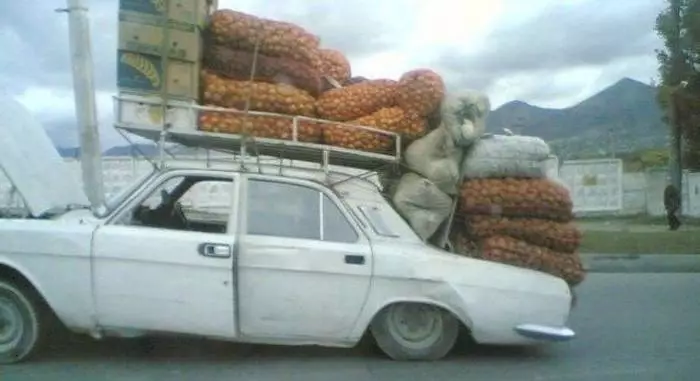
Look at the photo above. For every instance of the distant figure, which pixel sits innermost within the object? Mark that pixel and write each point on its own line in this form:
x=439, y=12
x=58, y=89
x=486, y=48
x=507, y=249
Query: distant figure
x=672, y=202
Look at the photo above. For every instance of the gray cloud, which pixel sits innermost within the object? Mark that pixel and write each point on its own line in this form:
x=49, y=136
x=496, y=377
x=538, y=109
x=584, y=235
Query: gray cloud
x=356, y=28
x=63, y=131
x=563, y=36
x=593, y=33
x=40, y=49
x=37, y=43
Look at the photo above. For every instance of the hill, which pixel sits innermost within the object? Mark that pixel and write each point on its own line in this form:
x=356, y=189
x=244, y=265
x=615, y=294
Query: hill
x=622, y=118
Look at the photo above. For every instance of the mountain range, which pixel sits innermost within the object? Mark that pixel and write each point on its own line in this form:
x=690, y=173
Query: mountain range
x=621, y=118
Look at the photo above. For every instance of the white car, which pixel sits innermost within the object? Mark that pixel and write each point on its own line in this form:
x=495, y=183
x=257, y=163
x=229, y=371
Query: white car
x=288, y=256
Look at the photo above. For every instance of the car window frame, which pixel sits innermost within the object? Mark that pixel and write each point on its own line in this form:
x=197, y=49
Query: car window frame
x=319, y=188
x=343, y=213
x=156, y=182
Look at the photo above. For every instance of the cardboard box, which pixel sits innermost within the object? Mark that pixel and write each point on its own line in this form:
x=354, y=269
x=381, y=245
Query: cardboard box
x=137, y=110
x=143, y=74
x=192, y=12
x=185, y=45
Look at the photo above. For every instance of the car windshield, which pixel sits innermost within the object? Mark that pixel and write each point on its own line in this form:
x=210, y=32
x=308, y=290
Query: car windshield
x=114, y=201
x=374, y=215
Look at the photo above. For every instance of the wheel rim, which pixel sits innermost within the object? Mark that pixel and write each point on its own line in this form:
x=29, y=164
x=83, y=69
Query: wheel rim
x=416, y=326
x=11, y=325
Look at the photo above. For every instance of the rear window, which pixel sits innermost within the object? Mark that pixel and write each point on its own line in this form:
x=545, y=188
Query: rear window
x=373, y=214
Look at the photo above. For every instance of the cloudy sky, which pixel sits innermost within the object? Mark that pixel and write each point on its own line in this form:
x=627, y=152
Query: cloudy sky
x=550, y=53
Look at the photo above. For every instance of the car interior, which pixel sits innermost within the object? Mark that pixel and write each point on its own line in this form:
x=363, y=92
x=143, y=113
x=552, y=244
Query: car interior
x=170, y=214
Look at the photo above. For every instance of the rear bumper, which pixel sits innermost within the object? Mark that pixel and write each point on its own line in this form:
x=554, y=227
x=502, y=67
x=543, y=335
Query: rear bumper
x=545, y=333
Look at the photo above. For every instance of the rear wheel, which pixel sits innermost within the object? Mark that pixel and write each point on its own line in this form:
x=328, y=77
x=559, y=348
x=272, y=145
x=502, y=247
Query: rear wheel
x=20, y=323
x=413, y=331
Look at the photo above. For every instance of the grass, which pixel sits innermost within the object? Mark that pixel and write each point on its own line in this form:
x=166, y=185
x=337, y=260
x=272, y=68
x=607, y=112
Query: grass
x=652, y=242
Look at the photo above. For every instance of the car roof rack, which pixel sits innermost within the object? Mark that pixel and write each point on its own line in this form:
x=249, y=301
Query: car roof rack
x=142, y=116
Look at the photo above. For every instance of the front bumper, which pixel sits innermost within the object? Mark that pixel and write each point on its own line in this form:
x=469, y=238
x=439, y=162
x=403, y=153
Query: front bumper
x=545, y=333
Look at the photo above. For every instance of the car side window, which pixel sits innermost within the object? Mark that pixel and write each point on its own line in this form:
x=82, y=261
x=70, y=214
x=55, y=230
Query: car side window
x=295, y=211
x=336, y=227
x=283, y=210
x=190, y=203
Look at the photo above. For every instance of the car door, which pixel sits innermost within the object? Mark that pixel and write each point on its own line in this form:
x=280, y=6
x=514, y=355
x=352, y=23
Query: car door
x=165, y=278
x=304, y=266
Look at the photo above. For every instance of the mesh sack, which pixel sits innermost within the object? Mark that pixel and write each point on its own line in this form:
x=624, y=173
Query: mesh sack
x=420, y=91
x=237, y=64
x=259, y=126
x=335, y=65
x=561, y=237
x=278, y=98
x=533, y=198
x=239, y=30
x=356, y=101
x=514, y=252
x=391, y=119
x=506, y=156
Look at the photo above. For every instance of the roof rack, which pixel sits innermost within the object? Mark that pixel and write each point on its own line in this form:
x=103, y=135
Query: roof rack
x=143, y=116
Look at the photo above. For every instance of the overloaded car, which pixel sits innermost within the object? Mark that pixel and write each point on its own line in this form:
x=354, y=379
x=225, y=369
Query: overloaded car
x=276, y=255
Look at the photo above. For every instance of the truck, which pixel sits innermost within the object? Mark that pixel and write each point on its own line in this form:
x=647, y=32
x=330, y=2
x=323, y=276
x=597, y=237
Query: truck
x=294, y=254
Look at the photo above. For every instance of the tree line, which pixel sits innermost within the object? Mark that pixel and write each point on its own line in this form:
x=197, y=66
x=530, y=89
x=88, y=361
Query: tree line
x=678, y=25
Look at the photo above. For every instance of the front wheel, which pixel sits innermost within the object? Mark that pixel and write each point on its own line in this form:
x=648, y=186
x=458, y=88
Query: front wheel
x=412, y=331
x=20, y=328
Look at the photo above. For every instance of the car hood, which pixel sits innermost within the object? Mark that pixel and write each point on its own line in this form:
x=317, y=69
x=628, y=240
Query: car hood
x=32, y=163
x=425, y=262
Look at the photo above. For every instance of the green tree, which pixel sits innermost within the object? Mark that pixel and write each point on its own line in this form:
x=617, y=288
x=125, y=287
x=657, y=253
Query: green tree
x=678, y=25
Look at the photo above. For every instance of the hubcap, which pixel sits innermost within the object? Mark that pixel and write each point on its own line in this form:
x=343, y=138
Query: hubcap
x=11, y=325
x=415, y=325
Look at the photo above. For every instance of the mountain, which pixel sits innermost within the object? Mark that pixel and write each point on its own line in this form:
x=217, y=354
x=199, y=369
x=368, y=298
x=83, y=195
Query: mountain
x=149, y=150
x=68, y=152
x=137, y=150
x=622, y=118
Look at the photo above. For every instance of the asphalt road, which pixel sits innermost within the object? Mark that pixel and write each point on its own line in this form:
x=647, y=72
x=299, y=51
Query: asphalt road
x=630, y=326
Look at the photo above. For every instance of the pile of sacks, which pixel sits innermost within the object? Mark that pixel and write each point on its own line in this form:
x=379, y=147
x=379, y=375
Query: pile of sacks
x=495, y=187
x=258, y=64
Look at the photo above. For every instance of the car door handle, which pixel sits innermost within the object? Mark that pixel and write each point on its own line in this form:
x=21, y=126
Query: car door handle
x=215, y=250
x=355, y=259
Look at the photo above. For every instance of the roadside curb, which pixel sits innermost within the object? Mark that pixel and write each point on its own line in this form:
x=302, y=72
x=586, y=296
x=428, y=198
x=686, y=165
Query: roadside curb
x=641, y=263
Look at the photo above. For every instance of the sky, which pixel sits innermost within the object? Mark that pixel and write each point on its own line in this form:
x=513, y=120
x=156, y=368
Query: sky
x=549, y=53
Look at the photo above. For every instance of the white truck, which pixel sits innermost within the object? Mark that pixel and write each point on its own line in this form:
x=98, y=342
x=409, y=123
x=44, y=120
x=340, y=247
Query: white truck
x=293, y=256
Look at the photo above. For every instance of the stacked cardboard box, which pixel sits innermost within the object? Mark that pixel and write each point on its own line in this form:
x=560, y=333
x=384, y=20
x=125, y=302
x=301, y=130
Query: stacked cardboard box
x=160, y=46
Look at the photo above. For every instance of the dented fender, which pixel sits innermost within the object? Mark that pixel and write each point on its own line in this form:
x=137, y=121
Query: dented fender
x=386, y=291
x=489, y=298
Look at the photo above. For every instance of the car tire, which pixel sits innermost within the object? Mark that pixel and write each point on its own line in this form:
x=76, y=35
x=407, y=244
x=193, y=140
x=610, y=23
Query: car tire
x=21, y=323
x=414, y=331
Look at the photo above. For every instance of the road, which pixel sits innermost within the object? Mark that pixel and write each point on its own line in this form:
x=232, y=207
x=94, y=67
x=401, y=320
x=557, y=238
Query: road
x=631, y=327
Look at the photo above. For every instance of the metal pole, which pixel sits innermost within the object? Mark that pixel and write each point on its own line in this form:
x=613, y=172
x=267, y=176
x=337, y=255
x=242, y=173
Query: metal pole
x=675, y=159
x=85, y=109
x=677, y=68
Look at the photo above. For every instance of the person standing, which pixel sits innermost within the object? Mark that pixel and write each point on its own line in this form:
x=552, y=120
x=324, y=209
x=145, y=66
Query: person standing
x=672, y=202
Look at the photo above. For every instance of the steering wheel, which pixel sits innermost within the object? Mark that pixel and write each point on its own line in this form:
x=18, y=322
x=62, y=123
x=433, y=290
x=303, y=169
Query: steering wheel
x=180, y=214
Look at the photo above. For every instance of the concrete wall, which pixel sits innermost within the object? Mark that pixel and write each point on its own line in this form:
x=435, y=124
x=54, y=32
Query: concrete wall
x=596, y=186
x=600, y=187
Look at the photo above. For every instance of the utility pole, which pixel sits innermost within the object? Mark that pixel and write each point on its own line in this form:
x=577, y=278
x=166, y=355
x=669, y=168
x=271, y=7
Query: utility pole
x=85, y=109
x=676, y=76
